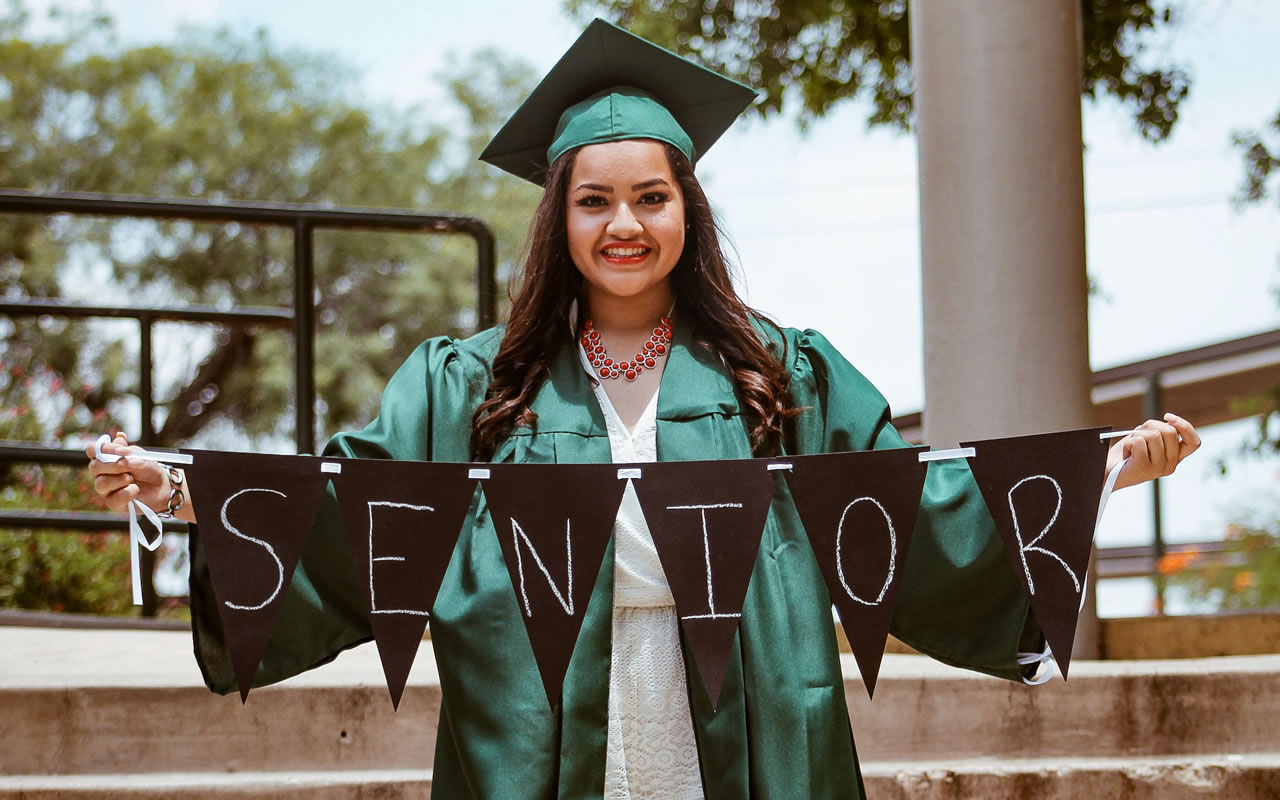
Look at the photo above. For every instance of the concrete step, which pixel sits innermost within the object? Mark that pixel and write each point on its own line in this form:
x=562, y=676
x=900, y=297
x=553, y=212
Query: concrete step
x=926, y=710
x=352, y=785
x=99, y=702
x=104, y=702
x=1238, y=777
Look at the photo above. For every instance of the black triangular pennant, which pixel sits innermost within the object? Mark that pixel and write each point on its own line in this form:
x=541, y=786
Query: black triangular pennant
x=402, y=520
x=256, y=512
x=1042, y=491
x=859, y=510
x=553, y=522
x=706, y=518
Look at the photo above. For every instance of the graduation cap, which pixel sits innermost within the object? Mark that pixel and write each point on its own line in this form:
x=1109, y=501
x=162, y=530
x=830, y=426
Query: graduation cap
x=612, y=85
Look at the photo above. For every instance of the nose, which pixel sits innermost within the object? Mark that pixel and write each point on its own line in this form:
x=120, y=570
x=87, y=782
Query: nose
x=624, y=224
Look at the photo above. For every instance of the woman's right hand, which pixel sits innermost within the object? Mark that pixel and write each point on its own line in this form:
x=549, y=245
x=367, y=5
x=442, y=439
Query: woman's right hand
x=128, y=479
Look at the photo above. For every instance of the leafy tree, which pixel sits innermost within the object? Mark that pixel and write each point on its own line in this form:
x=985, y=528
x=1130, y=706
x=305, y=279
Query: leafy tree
x=82, y=572
x=1261, y=155
x=820, y=52
x=216, y=115
x=1245, y=576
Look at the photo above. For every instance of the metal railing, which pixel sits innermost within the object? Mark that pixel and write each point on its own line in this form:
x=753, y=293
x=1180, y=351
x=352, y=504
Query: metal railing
x=304, y=221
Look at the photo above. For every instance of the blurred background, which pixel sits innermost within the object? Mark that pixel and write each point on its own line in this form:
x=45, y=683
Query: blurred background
x=386, y=106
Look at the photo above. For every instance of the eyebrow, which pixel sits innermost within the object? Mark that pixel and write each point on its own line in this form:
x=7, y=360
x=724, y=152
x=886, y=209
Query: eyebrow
x=635, y=187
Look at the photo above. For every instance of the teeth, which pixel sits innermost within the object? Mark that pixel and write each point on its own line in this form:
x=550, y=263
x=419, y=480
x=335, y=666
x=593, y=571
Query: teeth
x=625, y=252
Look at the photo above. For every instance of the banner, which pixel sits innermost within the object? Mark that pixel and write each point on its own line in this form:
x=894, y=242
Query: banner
x=256, y=512
x=402, y=521
x=1042, y=491
x=706, y=518
x=859, y=510
x=553, y=522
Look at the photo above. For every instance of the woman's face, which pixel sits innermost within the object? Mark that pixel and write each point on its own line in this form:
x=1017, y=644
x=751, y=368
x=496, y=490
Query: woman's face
x=625, y=220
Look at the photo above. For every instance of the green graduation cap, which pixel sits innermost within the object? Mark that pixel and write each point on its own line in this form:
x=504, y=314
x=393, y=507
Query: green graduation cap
x=612, y=85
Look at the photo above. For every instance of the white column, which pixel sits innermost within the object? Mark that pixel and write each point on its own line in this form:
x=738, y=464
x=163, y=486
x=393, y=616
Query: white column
x=997, y=98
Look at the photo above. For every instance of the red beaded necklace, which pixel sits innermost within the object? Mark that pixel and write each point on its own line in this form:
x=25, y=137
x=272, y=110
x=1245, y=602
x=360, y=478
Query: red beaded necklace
x=647, y=358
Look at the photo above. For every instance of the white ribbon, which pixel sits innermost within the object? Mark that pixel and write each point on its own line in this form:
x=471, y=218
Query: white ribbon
x=136, y=536
x=1038, y=658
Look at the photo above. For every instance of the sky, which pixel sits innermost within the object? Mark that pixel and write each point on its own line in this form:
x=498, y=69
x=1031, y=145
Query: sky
x=1177, y=262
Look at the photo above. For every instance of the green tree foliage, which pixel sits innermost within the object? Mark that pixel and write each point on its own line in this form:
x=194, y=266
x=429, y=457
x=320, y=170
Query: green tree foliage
x=223, y=116
x=1261, y=161
x=216, y=116
x=1261, y=155
x=74, y=572
x=1245, y=576
x=819, y=52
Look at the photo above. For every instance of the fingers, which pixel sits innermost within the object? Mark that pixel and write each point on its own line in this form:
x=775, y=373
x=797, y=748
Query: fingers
x=119, y=446
x=119, y=499
x=1157, y=446
x=1190, y=438
x=106, y=484
x=1162, y=441
x=1136, y=450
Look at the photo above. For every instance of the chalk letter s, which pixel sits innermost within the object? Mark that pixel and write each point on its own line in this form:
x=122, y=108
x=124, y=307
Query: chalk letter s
x=266, y=546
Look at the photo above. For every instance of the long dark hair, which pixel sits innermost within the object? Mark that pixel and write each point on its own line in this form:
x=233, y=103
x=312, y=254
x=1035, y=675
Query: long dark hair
x=705, y=300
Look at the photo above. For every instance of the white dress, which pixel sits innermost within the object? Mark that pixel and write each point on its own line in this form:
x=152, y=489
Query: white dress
x=651, y=748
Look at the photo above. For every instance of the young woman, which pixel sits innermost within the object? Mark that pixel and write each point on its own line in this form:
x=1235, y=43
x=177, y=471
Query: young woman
x=627, y=343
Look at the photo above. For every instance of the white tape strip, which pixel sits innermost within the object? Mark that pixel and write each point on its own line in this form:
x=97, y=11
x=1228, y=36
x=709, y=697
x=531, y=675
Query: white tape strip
x=942, y=455
x=331, y=467
x=624, y=474
x=779, y=466
x=146, y=455
x=478, y=474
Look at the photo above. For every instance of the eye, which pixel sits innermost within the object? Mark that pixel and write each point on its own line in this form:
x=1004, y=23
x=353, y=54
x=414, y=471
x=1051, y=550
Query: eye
x=591, y=201
x=654, y=198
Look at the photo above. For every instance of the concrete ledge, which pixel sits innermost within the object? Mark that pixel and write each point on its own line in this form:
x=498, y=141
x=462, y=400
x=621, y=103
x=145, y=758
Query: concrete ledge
x=354, y=785
x=925, y=710
x=1247, y=777
x=1191, y=637
x=91, y=701
x=97, y=702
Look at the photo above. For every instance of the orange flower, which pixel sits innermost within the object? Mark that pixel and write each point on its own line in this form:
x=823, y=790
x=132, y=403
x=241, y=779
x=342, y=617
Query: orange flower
x=1242, y=581
x=1176, y=562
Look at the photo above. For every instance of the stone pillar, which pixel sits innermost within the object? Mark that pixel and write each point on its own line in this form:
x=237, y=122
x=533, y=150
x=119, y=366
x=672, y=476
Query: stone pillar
x=1006, y=345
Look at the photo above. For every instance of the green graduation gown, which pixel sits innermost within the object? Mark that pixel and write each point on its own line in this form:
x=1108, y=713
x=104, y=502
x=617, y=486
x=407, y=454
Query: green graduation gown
x=782, y=727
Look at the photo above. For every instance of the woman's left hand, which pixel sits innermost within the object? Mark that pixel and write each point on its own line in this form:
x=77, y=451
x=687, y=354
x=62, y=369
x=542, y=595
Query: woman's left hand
x=1154, y=449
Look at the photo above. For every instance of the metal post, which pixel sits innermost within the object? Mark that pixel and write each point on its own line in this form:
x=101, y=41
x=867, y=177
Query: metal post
x=1153, y=407
x=147, y=438
x=304, y=332
x=486, y=282
x=147, y=433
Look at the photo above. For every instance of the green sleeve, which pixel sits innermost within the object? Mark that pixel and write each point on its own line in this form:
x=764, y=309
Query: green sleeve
x=425, y=415
x=960, y=600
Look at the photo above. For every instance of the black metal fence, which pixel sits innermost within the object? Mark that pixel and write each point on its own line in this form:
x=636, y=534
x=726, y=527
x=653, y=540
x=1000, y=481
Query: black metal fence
x=304, y=221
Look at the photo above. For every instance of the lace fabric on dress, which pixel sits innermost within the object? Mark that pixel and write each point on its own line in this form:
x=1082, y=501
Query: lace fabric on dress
x=651, y=751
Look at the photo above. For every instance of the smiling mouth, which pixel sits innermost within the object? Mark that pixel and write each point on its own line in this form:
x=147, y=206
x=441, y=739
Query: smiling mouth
x=625, y=255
